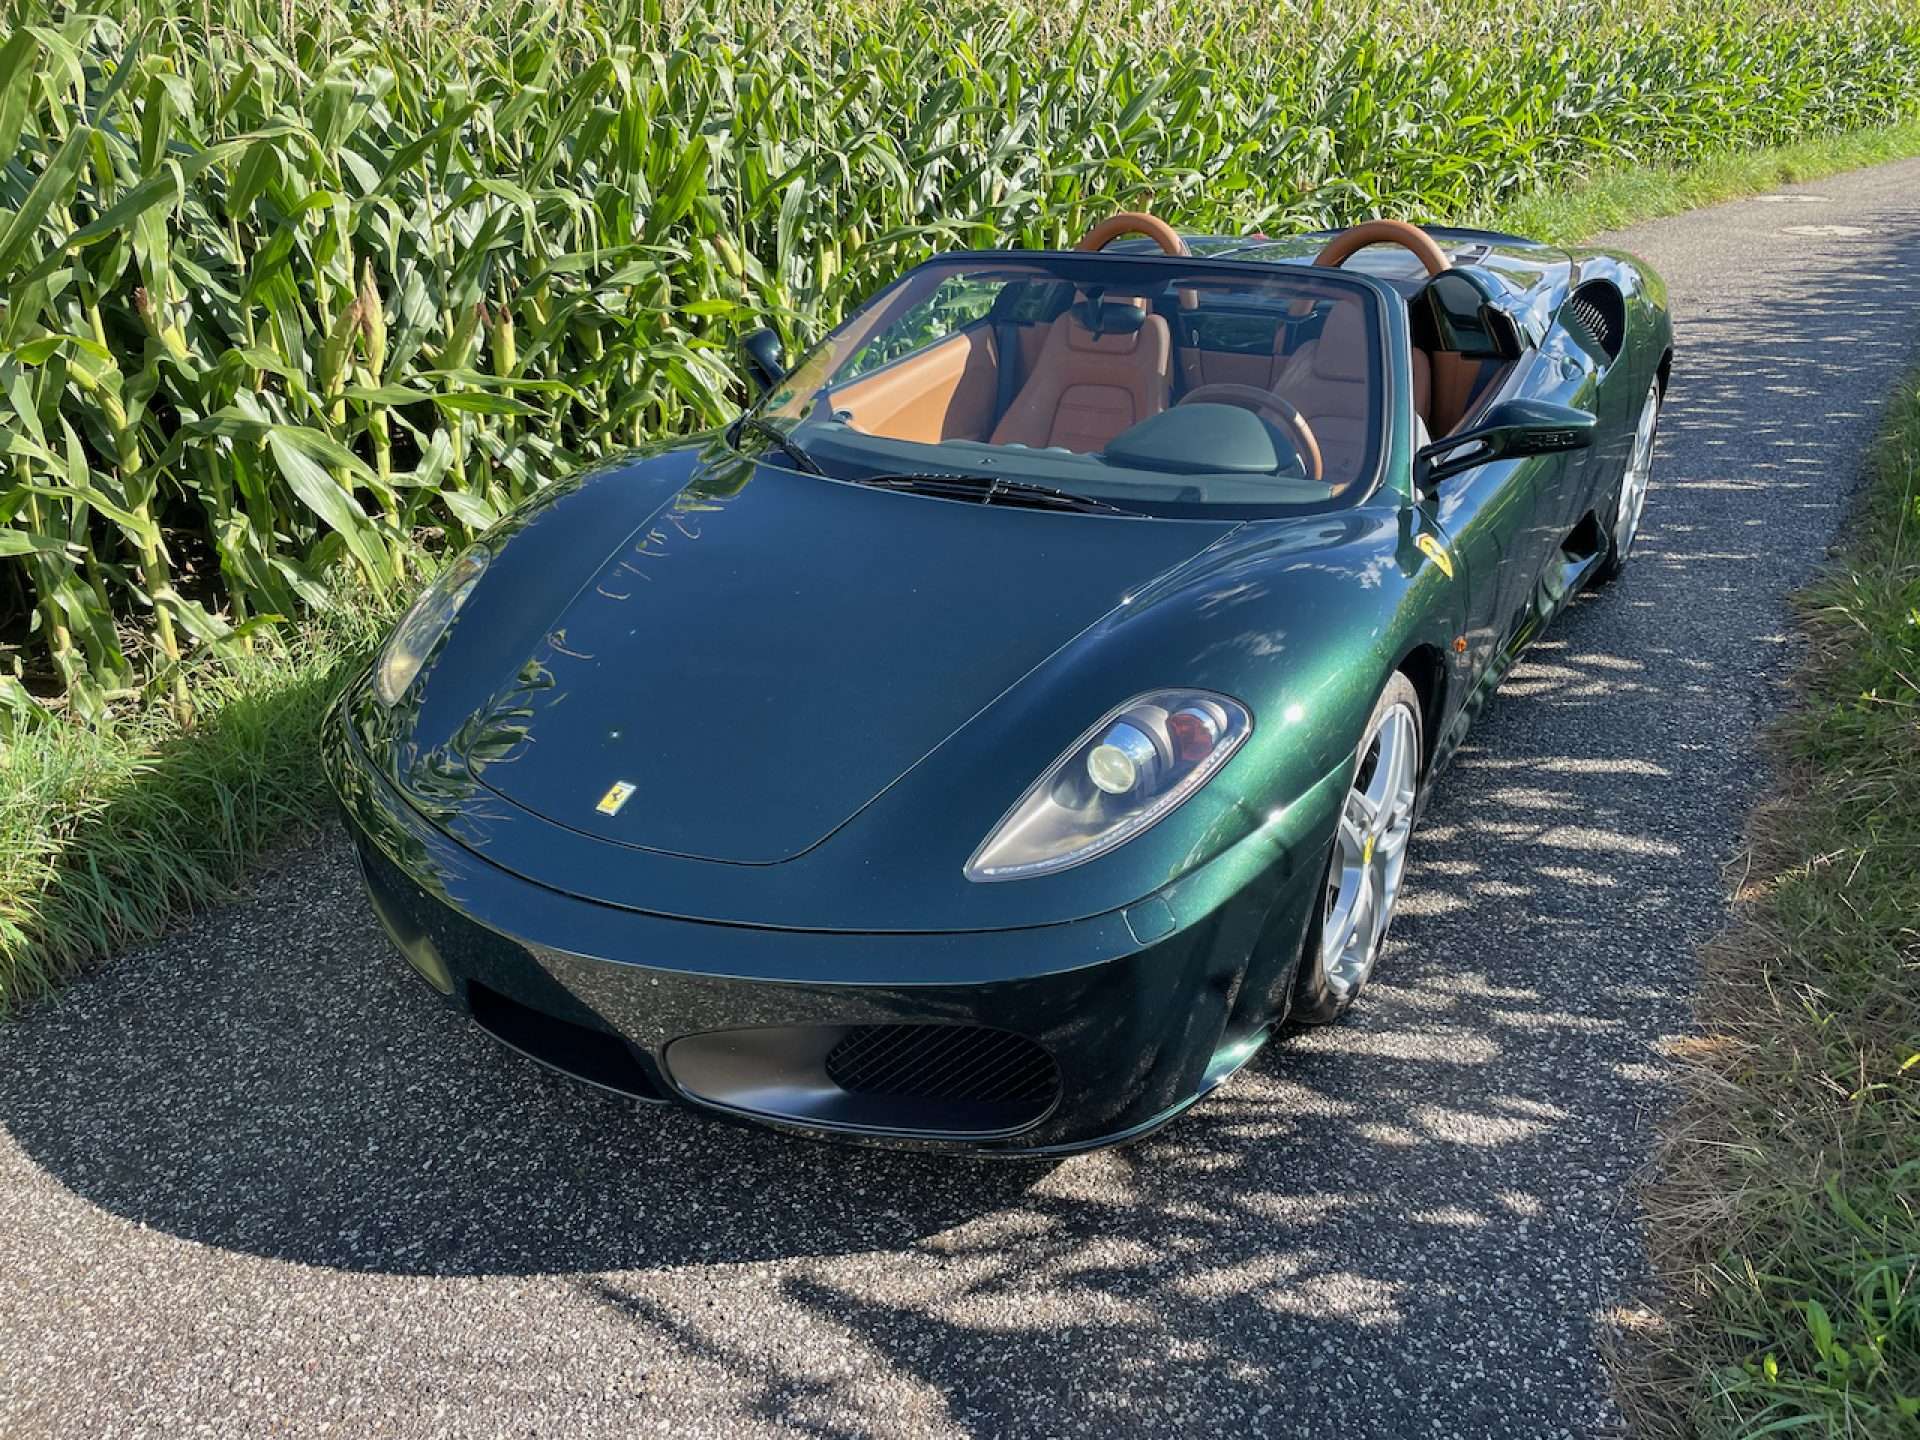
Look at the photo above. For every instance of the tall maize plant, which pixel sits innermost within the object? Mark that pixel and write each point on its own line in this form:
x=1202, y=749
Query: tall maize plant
x=286, y=290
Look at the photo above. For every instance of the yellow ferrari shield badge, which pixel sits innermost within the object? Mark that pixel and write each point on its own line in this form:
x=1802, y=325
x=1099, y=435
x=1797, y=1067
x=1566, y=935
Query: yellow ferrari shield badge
x=617, y=795
x=1437, y=553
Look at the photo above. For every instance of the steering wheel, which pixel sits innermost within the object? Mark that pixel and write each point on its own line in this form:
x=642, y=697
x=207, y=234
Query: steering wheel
x=1270, y=406
x=1133, y=222
x=1383, y=232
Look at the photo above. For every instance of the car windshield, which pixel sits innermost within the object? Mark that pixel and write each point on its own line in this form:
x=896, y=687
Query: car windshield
x=1159, y=385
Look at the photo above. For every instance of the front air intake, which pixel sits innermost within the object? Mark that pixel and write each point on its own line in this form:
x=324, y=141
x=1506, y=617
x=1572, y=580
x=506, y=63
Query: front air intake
x=586, y=1054
x=928, y=1080
x=965, y=1063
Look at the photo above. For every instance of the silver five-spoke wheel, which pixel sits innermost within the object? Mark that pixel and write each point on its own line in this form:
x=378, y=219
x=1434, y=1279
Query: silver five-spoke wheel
x=1372, y=852
x=1369, y=857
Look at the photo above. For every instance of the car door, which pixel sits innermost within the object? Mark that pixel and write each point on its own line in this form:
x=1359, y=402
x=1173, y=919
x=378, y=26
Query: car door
x=1583, y=357
x=1489, y=513
x=1497, y=515
x=1568, y=370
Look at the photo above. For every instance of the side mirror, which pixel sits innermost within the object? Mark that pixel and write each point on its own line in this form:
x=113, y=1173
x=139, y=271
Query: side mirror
x=768, y=360
x=1510, y=430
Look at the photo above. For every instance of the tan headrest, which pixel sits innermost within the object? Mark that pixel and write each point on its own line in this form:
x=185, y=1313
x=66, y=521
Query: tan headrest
x=1108, y=297
x=1108, y=326
x=1111, y=342
x=1341, y=351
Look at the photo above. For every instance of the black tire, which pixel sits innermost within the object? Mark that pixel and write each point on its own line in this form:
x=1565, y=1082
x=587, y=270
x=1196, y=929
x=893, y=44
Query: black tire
x=1317, y=999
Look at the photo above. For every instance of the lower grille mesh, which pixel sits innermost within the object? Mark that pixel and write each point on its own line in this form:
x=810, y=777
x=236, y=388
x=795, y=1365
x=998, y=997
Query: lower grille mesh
x=943, y=1062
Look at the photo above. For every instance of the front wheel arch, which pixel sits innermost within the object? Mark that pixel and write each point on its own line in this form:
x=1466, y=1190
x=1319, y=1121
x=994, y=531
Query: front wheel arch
x=1425, y=667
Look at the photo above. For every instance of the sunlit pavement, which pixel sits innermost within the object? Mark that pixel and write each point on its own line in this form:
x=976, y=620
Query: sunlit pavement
x=255, y=1179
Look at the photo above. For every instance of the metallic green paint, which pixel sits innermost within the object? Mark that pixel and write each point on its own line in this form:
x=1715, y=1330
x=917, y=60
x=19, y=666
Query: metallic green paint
x=828, y=695
x=732, y=686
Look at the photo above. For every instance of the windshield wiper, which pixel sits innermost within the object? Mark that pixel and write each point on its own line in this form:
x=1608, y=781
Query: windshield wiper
x=996, y=490
x=801, y=459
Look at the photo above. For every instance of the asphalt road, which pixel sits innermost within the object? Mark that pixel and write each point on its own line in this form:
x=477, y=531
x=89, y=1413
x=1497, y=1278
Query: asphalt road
x=256, y=1180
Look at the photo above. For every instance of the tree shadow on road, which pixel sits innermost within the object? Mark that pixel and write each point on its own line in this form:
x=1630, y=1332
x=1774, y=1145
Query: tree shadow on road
x=1423, y=1213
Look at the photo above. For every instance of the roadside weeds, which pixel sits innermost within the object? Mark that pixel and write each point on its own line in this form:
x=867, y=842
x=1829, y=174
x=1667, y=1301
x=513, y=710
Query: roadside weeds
x=110, y=835
x=1610, y=199
x=1784, y=1207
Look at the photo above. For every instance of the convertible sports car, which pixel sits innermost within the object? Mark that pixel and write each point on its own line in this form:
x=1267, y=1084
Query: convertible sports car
x=995, y=734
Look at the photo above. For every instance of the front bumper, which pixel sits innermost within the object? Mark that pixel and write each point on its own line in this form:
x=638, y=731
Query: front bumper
x=1073, y=1036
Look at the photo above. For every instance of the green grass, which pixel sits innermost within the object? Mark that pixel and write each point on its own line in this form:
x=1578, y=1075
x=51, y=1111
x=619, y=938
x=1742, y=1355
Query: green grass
x=1786, y=1219
x=109, y=834
x=1614, y=197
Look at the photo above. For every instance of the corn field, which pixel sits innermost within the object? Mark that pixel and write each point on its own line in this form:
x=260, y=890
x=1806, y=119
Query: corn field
x=288, y=289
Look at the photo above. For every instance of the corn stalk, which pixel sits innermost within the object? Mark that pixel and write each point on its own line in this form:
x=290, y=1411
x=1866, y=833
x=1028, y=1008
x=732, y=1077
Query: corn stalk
x=286, y=289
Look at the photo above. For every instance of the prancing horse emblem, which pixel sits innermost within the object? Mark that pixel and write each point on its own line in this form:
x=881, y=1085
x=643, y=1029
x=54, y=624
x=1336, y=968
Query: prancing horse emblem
x=617, y=795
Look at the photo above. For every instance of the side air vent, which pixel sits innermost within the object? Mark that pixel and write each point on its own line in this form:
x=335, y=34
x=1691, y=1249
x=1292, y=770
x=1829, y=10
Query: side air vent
x=1598, y=315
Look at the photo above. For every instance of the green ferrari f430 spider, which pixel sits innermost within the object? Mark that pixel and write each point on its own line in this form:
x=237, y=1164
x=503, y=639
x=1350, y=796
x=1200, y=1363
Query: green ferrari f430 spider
x=995, y=734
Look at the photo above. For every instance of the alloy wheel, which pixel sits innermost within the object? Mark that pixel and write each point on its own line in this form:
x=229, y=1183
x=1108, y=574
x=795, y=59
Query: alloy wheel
x=1638, y=476
x=1370, y=854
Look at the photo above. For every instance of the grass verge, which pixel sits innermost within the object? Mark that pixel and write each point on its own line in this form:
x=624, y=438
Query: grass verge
x=107, y=835
x=1612, y=198
x=1785, y=1222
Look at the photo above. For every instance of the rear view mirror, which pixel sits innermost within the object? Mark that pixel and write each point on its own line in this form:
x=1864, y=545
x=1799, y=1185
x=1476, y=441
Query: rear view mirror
x=1510, y=430
x=767, y=359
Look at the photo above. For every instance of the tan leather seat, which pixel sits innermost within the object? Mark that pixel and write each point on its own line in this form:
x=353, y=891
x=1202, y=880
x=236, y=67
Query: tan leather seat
x=1329, y=381
x=1456, y=384
x=1103, y=367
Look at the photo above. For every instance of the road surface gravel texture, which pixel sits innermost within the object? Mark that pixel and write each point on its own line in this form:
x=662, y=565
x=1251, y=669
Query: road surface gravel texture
x=257, y=1180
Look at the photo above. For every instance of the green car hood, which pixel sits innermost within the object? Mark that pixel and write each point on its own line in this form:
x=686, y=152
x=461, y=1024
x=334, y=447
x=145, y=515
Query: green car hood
x=769, y=651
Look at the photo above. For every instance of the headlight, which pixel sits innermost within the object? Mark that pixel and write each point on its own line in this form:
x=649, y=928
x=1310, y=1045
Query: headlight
x=1120, y=777
x=425, y=622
